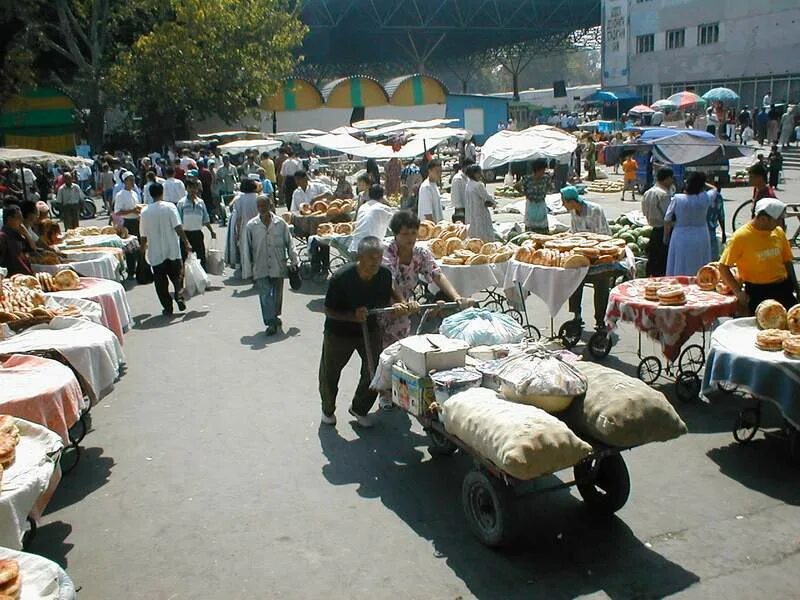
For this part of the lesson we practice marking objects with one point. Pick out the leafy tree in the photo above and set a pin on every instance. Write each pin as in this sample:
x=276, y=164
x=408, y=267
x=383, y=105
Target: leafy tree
x=216, y=57
x=17, y=39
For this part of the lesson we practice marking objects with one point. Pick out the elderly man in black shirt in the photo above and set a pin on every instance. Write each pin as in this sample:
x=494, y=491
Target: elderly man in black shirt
x=353, y=291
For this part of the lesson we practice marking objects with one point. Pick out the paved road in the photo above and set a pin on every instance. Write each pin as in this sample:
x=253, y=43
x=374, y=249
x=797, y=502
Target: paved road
x=208, y=476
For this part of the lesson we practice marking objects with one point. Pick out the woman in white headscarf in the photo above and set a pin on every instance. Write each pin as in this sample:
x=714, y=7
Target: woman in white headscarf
x=787, y=126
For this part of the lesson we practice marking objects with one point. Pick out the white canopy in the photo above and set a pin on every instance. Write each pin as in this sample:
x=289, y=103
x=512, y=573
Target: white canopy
x=264, y=145
x=295, y=137
x=439, y=133
x=373, y=123
x=37, y=157
x=540, y=141
x=221, y=134
x=347, y=144
x=398, y=127
x=346, y=129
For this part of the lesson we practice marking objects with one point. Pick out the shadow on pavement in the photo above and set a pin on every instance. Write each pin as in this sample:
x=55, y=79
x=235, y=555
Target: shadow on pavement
x=316, y=305
x=244, y=293
x=259, y=341
x=191, y=315
x=50, y=542
x=763, y=465
x=91, y=474
x=234, y=282
x=564, y=551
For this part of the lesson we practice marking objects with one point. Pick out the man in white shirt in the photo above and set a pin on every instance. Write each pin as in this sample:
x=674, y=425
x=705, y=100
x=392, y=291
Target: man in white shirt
x=307, y=192
x=161, y=238
x=174, y=190
x=654, y=206
x=150, y=178
x=289, y=167
x=458, y=187
x=186, y=160
x=373, y=218
x=69, y=198
x=429, y=204
x=470, y=153
x=126, y=203
x=83, y=173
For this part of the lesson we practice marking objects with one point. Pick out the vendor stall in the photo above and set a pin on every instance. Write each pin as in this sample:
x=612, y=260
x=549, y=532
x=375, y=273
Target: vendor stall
x=100, y=265
x=40, y=578
x=670, y=324
x=110, y=295
x=28, y=482
x=91, y=349
x=42, y=391
x=736, y=364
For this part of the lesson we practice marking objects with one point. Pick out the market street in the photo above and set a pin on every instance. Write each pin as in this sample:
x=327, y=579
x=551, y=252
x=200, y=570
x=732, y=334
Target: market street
x=208, y=475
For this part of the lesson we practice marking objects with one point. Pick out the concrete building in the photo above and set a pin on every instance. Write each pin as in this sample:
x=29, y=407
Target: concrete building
x=659, y=47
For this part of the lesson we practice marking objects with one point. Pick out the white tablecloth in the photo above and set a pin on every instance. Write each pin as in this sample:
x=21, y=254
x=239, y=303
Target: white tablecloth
x=101, y=265
x=471, y=279
x=129, y=244
x=92, y=350
x=97, y=290
x=27, y=480
x=42, y=579
x=553, y=285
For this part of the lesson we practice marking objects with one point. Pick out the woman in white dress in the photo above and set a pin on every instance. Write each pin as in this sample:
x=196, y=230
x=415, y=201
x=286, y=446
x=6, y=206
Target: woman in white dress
x=477, y=202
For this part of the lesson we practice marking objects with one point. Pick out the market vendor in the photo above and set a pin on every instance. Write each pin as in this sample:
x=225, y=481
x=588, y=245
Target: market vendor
x=14, y=242
x=373, y=218
x=343, y=191
x=763, y=257
x=126, y=205
x=352, y=292
x=477, y=206
x=654, y=206
x=307, y=192
x=588, y=217
x=536, y=187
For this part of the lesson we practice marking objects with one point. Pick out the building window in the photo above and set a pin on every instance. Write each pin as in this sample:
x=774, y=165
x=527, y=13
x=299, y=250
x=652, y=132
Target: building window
x=676, y=38
x=645, y=92
x=707, y=34
x=645, y=43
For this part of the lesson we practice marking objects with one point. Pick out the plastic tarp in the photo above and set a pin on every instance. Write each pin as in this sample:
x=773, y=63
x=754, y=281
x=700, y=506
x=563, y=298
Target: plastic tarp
x=540, y=141
x=347, y=144
x=374, y=123
x=37, y=157
x=264, y=145
x=439, y=133
x=402, y=126
x=295, y=137
x=686, y=149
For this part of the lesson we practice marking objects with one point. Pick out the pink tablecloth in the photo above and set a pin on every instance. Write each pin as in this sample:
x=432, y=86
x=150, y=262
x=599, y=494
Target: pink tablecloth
x=671, y=326
x=42, y=391
x=111, y=297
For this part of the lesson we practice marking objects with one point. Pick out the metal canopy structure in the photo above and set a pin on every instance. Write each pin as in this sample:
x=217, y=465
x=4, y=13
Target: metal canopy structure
x=417, y=31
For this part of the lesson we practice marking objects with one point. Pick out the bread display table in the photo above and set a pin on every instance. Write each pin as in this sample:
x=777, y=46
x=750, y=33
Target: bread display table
x=101, y=265
x=128, y=244
x=110, y=295
x=91, y=349
x=306, y=226
x=472, y=279
x=42, y=579
x=29, y=482
x=553, y=285
x=670, y=326
x=41, y=391
x=734, y=363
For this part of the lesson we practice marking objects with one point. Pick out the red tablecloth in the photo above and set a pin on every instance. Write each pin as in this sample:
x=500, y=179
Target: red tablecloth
x=42, y=391
x=671, y=326
x=111, y=297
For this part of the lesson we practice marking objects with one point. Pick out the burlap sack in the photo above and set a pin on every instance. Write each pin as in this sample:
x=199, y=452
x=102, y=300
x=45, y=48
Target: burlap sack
x=621, y=411
x=524, y=441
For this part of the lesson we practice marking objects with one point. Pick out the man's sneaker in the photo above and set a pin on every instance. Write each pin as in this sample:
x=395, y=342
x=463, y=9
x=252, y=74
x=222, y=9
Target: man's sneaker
x=328, y=419
x=362, y=420
x=181, y=304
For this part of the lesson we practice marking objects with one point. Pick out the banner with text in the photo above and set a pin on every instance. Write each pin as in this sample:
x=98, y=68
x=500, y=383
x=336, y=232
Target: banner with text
x=615, y=43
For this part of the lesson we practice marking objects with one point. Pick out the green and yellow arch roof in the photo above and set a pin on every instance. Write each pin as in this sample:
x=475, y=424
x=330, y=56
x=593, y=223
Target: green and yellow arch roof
x=416, y=90
x=354, y=92
x=296, y=93
x=40, y=118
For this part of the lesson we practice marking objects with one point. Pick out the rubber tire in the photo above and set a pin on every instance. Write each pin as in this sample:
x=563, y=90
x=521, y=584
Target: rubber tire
x=600, y=344
x=532, y=333
x=489, y=509
x=688, y=386
x=439, y=445
x=88, y=209
x=745, y=206
x=570, y=334
x=691, y=367
x=748, y=419
x=648, y=359
x=610, y=488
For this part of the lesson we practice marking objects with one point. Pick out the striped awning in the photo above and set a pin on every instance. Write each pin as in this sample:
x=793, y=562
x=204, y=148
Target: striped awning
x=354, y=92
x=416, y=90
x=295, y=94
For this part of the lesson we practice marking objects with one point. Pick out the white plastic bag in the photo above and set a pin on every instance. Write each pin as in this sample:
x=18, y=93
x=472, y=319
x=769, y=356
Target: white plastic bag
x=215, y=261
x=195, y=280
x=480, y=327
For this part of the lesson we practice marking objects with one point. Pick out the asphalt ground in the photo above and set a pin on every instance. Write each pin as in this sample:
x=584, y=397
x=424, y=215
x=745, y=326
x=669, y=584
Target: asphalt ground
x=207, y=475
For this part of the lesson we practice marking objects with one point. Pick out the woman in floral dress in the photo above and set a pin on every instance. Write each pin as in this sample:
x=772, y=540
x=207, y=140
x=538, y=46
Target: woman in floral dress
x=409, y=263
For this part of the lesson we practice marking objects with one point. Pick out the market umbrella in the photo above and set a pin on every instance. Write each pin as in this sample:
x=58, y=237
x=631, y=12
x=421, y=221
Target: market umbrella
x=687, y=101
x=641, y=109
x=721, y=94
x=690, y=147
x=665, y=105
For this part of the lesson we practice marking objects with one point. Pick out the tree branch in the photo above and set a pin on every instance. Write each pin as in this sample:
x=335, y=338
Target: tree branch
x=76, y=26
x=73, y=53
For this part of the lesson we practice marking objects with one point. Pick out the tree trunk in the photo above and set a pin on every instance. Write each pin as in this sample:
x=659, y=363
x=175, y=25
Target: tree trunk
x=515, y=84
x=464, y=85
x=96, y=123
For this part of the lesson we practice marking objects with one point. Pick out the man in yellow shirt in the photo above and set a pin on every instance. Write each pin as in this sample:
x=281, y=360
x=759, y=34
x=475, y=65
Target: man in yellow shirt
x=629, y=167
x=269, y=168
x=763, y=257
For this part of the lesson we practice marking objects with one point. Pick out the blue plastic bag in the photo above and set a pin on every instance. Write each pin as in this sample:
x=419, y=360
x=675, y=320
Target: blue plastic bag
x=479, y=327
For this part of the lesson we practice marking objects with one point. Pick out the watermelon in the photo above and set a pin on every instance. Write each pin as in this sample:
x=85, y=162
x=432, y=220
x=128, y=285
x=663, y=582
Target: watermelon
x=643, y=242
x=615, y=229
x=628, y=237
x=646, y=230
x=637, y=251
x=623, y=220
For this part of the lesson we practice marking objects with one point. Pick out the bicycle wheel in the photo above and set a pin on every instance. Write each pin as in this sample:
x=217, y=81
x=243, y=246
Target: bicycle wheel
x=742, y=215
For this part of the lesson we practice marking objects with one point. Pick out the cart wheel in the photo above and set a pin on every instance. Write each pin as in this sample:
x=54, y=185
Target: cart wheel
x=604, y=487
x=532, y=333
x=493, y=305
x=336, y=263
x=439, y=444
x=687, y=386
x=488, y=505
x=747, y=423
x=692, y=359
x=649, y=369
x=570, y=334
x=600, y=344
x=516, y=315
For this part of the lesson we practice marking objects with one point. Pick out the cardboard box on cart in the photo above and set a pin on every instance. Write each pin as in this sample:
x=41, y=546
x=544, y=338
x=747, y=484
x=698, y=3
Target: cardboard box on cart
x=422, y=354
x=411, y=392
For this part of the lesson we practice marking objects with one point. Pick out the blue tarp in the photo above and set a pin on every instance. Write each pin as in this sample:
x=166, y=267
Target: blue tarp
x=603, y=96
x=656, y=133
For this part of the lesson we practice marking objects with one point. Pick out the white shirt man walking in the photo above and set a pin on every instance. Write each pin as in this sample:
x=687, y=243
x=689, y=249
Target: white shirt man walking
x=267, y=247
x=430, y=202
x=174, y=190
x=161, y=239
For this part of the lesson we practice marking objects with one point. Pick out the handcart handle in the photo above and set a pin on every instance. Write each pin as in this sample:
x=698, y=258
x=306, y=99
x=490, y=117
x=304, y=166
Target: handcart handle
x=446, y=305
